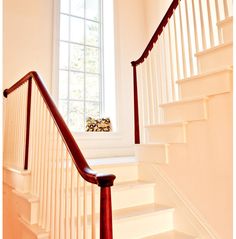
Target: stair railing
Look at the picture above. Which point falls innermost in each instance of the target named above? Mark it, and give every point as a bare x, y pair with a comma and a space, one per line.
38, 139
188, 27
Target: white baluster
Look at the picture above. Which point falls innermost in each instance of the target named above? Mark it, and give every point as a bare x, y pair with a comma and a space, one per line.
202, 26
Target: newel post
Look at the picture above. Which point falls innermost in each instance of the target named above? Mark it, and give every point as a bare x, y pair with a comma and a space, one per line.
136, 114
105, 182
28, 123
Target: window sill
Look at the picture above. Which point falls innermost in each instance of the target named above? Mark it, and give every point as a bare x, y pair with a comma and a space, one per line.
96, 135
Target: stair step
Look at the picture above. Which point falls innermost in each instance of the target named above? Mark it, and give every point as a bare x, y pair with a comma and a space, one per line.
156, 218
125, 168
26, 206
215, 57
170, 235
210, 83
167, 133
153, 153
226, 27
185, 110
17, 178
132, 194
32, 231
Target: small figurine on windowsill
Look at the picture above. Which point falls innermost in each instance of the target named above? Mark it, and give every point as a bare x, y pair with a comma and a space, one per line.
98, 125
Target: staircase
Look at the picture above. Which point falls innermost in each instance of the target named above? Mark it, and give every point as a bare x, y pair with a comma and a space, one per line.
142, 201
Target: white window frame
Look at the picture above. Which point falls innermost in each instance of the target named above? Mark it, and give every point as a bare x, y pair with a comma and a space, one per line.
108, 101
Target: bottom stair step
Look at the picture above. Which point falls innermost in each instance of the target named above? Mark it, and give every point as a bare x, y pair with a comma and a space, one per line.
141, 221
170, 235
32, 231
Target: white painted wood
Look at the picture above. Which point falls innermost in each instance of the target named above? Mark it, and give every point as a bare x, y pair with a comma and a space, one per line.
212, 42
203, 33
32, 231
186, 110
212, 83
27, 206
167, 133
182, 42
17, 179
171, 235
153, 153
226, 27
216, 57
195, 26
156, 219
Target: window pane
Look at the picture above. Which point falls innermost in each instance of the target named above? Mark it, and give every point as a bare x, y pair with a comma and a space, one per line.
63, 109
92, 87
77, 30
76, 116
63, 84
92, 9
64, 27
92, 109
76, 86
92, 60
77, 57
92, 33
63, 62
77, 8
65, 6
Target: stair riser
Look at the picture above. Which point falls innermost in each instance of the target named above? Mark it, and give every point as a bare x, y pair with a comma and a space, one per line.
220, 82
143, 226
152, 154
166, 134
124, 173
226, 27
214, 59
26, 233
26, 209
122, 198
186, 111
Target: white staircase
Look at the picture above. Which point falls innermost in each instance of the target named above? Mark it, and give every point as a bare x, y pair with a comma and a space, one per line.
136, 210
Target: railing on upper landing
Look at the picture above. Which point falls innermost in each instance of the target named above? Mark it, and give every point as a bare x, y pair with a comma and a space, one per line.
189, 26
38, 139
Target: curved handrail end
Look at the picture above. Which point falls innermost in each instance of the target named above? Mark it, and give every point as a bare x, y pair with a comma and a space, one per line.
105, 180
5, 93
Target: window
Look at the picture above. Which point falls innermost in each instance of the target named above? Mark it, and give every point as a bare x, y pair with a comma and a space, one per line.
80, 83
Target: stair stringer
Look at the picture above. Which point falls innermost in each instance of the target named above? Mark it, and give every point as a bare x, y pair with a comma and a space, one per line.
187, 218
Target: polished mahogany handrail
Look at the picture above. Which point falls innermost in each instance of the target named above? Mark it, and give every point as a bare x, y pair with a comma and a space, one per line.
157, 33
142, 58
105, 181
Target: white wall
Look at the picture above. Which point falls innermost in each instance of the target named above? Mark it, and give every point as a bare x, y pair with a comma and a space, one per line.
154, 12
27, 39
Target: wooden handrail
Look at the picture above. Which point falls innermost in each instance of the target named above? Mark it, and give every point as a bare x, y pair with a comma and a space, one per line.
157, 33
105, 181
85, 171
141, 59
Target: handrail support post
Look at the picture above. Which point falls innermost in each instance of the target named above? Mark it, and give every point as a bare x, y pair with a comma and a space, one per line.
28, 123
105, 213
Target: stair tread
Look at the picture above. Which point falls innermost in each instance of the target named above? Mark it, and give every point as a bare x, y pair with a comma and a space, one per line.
206, 51
27, 196
140, 211
131, 184
111, 161
226, 20
16, 170
174, 123
34, 228
200, 75
200, 98
170, 235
